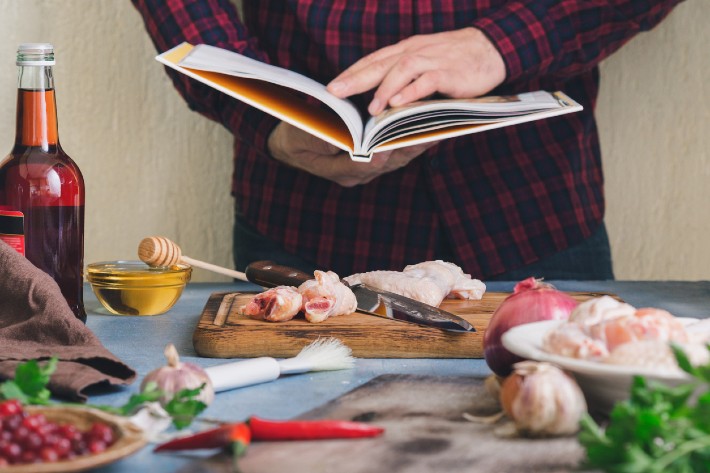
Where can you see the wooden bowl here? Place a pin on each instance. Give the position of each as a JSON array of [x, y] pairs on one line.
[[129, 439]]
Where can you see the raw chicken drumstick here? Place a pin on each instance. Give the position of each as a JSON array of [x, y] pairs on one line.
[[278, 304]]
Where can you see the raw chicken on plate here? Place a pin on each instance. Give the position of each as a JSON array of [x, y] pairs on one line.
[[606, 330]]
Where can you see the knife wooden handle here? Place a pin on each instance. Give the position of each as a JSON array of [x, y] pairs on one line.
[[270, 274]]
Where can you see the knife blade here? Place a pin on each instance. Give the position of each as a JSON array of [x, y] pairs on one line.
[[370, 300]]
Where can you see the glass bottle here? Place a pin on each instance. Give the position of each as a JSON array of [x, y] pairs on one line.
[[39, 180]]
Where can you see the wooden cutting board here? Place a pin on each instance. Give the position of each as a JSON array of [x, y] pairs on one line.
[[425, 432], [224, 333]]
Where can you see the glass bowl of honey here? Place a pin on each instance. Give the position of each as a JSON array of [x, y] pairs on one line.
[[134, 288]]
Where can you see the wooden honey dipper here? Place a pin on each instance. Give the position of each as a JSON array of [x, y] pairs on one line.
[[160, 251]]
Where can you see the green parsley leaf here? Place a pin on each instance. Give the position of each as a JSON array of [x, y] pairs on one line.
[[183, 408], [10, 390], [150, 393], [30, 383]]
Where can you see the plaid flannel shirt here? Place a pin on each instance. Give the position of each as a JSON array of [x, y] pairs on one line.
[[500, 199]]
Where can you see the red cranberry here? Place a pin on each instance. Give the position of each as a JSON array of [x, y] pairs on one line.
[[32, 442], [21, 433], [103, 432], [48, 454], [68, 431], [34, 422], [13, 422], [97, 446], [11, 452], [63, 446], [79, 447], [10, 407]]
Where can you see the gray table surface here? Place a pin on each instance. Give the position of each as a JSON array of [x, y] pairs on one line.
[[139, 342]]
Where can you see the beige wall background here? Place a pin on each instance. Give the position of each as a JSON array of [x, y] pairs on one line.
[[139, 146]]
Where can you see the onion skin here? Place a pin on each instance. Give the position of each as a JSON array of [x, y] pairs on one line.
[[531, 301]]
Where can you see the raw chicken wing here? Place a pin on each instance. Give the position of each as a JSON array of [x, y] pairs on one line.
[[450, 278], [325, 296], [429, 282]]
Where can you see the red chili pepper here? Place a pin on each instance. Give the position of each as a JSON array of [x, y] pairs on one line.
[[237, 435], [262, 429], [256, 428]]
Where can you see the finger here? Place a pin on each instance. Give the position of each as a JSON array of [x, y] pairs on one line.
[[367, 61], [423, 86], [364, 79], [341, 85], [408, 69]]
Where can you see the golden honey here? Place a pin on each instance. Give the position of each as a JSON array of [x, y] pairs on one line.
[[134, 288]]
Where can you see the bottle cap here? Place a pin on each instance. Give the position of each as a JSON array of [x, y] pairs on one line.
[[35, 54]]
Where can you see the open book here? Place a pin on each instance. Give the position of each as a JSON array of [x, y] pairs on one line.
[[271, 89]]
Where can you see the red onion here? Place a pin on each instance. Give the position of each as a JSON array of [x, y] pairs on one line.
[[531, 301]]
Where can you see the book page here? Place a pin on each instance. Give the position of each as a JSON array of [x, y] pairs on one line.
[[209, 58], [278, 101], [481, 107], [441, 128]]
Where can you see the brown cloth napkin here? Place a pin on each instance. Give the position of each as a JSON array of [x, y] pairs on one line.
[[37, 323]]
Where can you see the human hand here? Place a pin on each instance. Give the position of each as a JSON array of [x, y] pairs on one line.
[[301, 150], [460, 64]]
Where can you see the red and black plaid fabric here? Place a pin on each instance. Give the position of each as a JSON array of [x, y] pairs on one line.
[[502, 199]]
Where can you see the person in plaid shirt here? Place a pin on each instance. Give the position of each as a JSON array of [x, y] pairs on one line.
[[504, 204]]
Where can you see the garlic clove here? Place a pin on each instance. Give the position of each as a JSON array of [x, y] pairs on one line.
[[542, 400]]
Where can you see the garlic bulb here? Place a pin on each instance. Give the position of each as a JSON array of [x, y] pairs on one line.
[[542, 400], [177, 376]]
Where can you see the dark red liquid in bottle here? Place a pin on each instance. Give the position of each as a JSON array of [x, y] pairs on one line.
[[43, 183]]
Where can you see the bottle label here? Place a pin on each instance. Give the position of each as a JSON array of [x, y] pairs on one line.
[[12, 230]]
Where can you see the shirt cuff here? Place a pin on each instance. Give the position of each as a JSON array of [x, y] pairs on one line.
[[523, 37]]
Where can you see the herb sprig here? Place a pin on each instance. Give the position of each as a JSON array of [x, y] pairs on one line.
[[658, 429], [30, 388], [30, 383]]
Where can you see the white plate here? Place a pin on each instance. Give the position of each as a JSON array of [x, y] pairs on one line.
[[602, 384]]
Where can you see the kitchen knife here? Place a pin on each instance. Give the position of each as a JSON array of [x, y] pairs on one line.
[[369, 300]]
